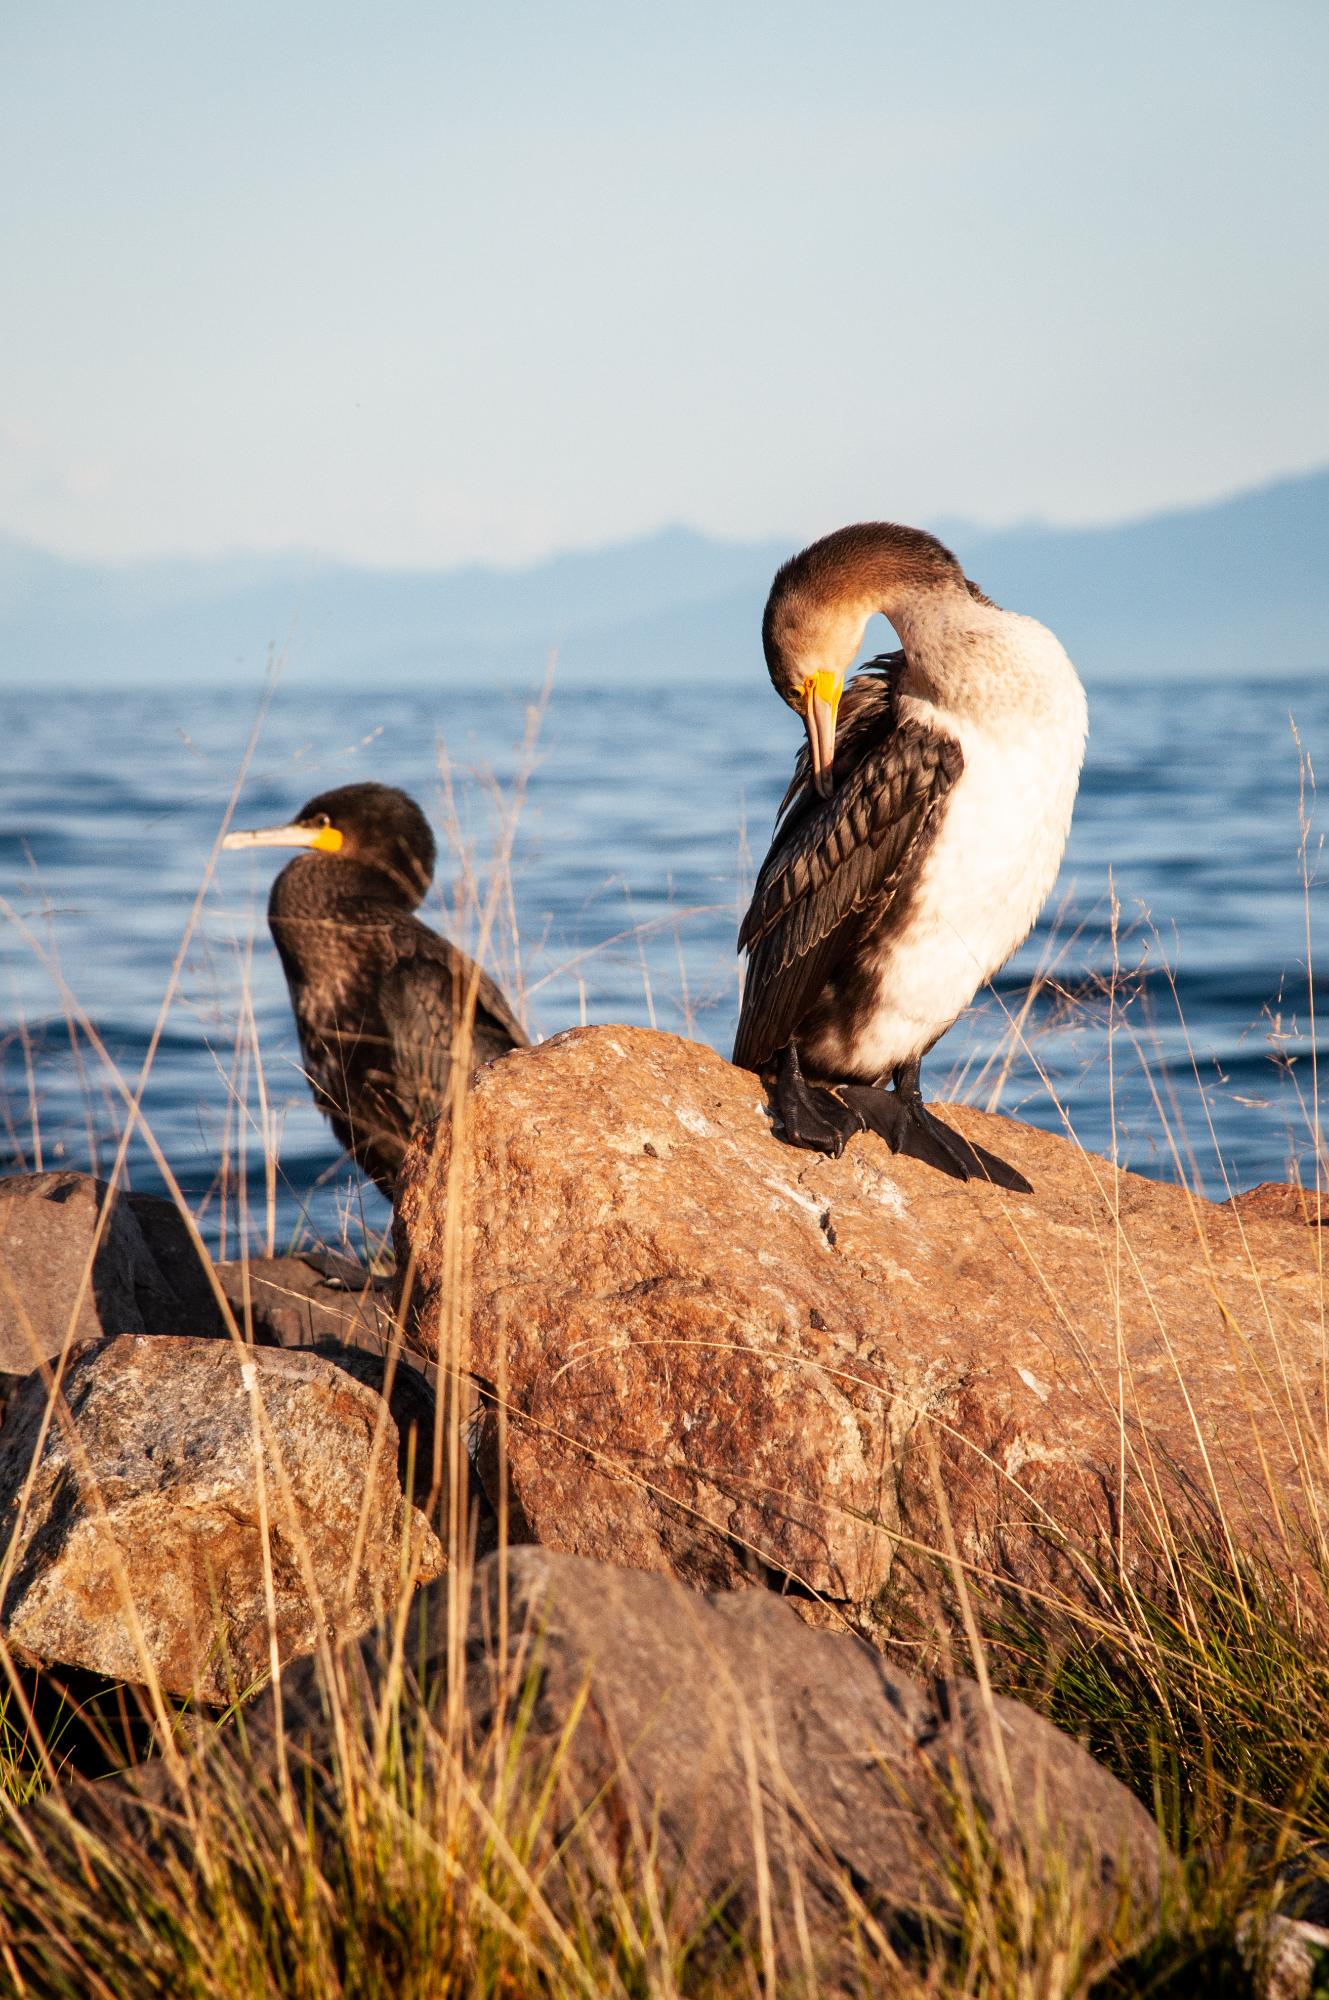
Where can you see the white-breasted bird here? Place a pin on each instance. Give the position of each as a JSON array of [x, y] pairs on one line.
[[918, 841]]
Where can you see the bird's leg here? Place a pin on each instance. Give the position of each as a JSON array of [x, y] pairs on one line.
[[905, 1079], [902, 1119], [812, 1116], [908, 1089]]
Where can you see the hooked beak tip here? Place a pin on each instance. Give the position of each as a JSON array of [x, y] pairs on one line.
[[819, 720]]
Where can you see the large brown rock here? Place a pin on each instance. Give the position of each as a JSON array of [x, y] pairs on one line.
[[146, 1494], [733, 1360], [717, 1747]]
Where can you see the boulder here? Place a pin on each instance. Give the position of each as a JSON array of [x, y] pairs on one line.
[[760, 1763], [147, 1277], [308, 1300], [727, 1728], [54, 1290], [146, 1494], [738, 1362]]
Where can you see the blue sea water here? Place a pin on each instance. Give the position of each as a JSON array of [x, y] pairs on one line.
[[1173, 1024]]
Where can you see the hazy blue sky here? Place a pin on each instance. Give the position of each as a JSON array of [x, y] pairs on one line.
[[430, 282]]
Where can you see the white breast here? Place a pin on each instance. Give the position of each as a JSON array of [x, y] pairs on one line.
[[1001, 837]]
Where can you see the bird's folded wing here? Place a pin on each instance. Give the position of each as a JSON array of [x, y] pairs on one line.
[[828, 865], [494, 1016], [422, 994]]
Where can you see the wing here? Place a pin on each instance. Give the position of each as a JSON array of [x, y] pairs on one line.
[[421, 994], [828, 863]]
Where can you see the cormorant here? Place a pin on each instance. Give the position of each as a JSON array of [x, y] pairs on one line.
[[376, 993], [920, 835]]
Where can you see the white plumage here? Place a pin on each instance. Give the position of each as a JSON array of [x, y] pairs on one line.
[[1006, 692]]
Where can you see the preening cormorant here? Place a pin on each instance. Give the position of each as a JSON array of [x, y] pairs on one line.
[[916, 844], [377, 994]]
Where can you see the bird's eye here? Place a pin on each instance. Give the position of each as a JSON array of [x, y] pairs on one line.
[[322, 819]]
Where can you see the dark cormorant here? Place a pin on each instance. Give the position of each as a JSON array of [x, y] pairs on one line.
[[376, 993], [917, 842]]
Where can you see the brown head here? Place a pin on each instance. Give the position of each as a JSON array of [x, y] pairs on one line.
[[820, 603], [374, 826]]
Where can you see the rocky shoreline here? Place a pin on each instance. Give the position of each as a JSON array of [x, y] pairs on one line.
[[732, 1393]]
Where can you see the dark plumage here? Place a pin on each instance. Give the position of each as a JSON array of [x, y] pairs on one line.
[[840, 870], [377, 994]]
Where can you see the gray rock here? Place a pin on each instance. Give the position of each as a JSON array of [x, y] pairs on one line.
[[53, 1289], [1287, 1958], [751, 1748], [147, 1277], [860, 1771], [184, 1275], [147, 1487], [304, 1301]]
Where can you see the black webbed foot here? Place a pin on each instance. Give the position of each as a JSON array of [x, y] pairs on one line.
[[902, 1119], [980, 1164], [813, 1117], [886, 1113]]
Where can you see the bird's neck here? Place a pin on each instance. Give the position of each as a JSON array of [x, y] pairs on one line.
[[939, 628], [312, 881], [975, 662], [936, 626]]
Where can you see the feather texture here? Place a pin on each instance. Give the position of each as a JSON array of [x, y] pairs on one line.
[[880, 911], [377, 998], [833, 862]]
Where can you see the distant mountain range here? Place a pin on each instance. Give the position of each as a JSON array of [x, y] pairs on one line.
[[1240, 586]]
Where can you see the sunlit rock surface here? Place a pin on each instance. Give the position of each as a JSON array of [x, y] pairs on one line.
[[738, 1362], [138, 1548]]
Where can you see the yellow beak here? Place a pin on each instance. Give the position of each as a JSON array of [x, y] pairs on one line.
[[325, 838], [821, 699]]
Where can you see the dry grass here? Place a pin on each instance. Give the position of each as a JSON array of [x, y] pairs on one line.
[[424, 1866]]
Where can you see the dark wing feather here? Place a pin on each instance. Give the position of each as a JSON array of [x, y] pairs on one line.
[[433, 960], [421, 995], [376, 994], [829, 862]]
